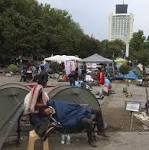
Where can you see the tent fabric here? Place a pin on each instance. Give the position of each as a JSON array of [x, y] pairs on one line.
[[74, 95], [96, 58], [11, 100], [62, 58], [131, 75]]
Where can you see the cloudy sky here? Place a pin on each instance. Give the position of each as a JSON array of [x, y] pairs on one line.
[[92, 15]]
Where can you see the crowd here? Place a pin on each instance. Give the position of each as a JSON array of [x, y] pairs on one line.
[[79, 76], [86, 79]]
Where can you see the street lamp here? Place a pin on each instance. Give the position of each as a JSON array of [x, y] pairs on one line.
[[127, 49], [126, 40]]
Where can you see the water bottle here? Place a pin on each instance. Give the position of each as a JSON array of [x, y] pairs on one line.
[[68, 139], [63, 139]]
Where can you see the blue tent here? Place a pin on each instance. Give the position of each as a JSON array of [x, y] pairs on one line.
[[131, 75]]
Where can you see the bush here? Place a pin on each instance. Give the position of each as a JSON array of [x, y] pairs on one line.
[[124, 69], [12, 68]]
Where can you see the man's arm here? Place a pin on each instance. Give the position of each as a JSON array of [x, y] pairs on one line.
[[40, 106]]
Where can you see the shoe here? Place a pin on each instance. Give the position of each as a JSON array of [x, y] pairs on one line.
[[47, 133], [92, 143], [102, 134]]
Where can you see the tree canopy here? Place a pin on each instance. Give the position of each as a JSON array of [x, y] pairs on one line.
[[139, 48], [28, 28]]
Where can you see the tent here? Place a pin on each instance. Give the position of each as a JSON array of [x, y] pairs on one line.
[[131, 76], [70, 62], [96, 58], [74, 95], [11, 107], [62, 58]]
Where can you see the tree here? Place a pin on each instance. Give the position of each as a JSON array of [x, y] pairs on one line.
[[28, 28], [112, 48], [139, 49], [137, 41]]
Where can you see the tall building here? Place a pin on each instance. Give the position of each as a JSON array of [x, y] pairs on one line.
[[121, 25]]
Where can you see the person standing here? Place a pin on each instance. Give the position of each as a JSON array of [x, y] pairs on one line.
[[101, 76], [101, 81], [84, 71], [43, 75]]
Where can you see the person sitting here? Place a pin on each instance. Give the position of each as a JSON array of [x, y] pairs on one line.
[[107, 86], [69, 115]]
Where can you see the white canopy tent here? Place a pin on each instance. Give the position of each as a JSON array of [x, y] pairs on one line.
[[70, 62], [62, 58]]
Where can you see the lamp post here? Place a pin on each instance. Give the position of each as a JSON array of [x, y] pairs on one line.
[[127, 49], [126, 40]]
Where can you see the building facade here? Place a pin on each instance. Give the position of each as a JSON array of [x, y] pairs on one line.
[[121, 24]]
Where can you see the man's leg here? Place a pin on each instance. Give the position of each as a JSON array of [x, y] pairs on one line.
[[40, 124], [88, 125], [100, 122], [99, 119]]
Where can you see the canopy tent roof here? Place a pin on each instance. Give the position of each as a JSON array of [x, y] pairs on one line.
[[62, 58], [96, 58]]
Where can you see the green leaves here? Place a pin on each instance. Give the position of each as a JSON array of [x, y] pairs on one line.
[[139, 48], [31, 29]]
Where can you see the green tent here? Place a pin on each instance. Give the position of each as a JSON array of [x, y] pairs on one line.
[[74, 95], [11, 106]]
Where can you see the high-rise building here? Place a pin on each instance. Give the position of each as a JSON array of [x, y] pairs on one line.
[[121, 25]]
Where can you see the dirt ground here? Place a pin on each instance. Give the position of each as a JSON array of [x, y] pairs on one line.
[[114, 112]]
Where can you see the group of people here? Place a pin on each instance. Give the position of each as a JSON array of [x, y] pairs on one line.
[[78, 74], [47, 114], [102, 79], [31, 72]]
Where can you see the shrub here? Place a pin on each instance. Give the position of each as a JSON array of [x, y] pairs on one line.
[[12, 68], [124, 69]]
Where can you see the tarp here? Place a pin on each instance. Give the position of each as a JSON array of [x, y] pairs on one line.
[[96, 58], [131, 75], [62, 58], [11, 106]]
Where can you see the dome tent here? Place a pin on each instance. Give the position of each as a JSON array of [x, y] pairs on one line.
[[12, 102], [74, 95]]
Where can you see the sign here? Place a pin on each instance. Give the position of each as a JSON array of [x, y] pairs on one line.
[[133, 106]]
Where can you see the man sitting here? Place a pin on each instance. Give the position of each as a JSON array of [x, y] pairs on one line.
[[69, 115]]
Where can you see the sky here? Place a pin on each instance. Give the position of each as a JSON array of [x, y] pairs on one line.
[[93, 15]]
